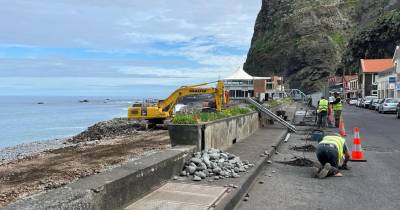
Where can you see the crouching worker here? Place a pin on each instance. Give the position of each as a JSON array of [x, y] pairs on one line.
[[333, 154]]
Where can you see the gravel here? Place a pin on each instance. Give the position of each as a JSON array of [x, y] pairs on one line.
[[22, 151], [216, 164], [107, 129]]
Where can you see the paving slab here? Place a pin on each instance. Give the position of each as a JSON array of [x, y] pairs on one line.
[[180, 196]]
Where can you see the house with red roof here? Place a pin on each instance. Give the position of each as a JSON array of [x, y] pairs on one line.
[[370, 68]]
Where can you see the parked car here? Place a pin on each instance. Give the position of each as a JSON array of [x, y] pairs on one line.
[[353, 101], [398, 110], [368, 101], [380, 101], [388, 105], [359, 102], [374, 103]]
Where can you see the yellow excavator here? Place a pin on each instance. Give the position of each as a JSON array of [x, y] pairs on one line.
[[157, 113]]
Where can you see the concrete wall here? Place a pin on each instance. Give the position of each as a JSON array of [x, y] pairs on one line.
[[219, 134], [223, 133], [113, 189], [185, 135]]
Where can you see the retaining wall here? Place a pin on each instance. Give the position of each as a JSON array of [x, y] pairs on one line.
[[113, 189], [219, 134]]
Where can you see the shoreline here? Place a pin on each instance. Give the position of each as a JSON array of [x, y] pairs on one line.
[[90, 135]]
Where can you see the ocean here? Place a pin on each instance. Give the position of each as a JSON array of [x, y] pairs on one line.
[[23, 120]]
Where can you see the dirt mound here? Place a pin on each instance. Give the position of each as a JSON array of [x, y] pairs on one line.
[[298, 162], [305, 148], [107, 129]]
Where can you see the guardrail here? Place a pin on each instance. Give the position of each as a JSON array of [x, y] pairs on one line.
[[266, 111]]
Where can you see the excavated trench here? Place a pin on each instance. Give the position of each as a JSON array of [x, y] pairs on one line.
[[303, 162], [305, 148]]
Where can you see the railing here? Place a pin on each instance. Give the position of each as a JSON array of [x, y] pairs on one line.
[[296, 94], [266, 111]]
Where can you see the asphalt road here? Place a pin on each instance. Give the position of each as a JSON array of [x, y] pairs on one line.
[[371, 185]]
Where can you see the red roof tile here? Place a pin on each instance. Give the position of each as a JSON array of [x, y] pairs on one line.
[[376, 65]]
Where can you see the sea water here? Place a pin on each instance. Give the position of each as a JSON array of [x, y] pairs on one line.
[[23, 119]]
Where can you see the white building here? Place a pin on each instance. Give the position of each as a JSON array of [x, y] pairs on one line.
[[389, 79], [242, 85], [396, 60], [239, 84]]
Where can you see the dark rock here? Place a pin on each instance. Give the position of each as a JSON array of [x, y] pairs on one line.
[[106, 129]]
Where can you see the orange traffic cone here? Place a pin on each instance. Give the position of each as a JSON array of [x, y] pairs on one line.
[[342, 130], [357, 153]]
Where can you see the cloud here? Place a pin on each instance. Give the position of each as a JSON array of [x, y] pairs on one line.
[[177, 40]]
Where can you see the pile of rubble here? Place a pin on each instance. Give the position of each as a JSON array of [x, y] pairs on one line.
[[107, 129], [214, 163]]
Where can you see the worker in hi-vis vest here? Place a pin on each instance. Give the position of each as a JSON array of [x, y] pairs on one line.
[[337, 107], [322, 111], [330, 119], [333, 154]]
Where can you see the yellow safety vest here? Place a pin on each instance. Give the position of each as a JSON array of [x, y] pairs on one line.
[[338, 106], [323, 105], [338, 142]]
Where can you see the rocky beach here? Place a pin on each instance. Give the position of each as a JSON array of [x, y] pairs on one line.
[[26, 169]]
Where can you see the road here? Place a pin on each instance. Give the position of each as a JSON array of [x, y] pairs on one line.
[[371, 185]]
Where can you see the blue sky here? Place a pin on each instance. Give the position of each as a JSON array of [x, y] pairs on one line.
[[105, 48]]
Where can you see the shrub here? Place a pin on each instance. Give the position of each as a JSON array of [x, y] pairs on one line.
[[209, 116]]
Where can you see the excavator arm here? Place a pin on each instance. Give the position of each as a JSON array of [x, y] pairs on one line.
[[164, 109], [168, 104]]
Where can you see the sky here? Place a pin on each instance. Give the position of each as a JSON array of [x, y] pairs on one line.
[[120, 47]]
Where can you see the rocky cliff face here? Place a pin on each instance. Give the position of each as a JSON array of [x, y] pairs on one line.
[[376, 40], [305, 40]]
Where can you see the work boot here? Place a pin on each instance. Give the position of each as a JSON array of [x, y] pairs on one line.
[[344, 167], [325, 170]]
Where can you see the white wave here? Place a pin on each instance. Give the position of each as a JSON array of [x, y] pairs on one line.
[[65, 128]]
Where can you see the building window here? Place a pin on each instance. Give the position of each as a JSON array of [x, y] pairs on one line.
[[251, 93], [232, 93], [239, 93], [374, 78]]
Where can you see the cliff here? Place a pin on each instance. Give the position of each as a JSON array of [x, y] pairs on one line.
[[306, 40]]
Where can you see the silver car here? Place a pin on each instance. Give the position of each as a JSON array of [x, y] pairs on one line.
[[378, 104], [388, 105]]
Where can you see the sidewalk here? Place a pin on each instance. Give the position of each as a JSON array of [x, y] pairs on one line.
[[252, 149]]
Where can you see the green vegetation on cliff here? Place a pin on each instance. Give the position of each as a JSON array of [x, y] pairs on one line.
[[378, 39]]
